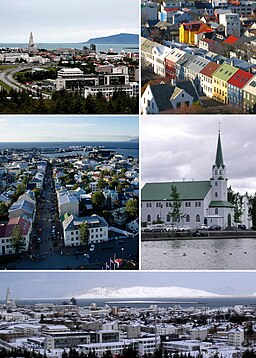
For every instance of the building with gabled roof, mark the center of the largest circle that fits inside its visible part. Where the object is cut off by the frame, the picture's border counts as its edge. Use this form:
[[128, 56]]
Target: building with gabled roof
[[235, 87], [206, 78], [220, 82], [164, 97], [202, 202]]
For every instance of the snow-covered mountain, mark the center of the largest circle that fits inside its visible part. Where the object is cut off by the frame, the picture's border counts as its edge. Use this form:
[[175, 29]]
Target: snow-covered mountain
[[144, 292]]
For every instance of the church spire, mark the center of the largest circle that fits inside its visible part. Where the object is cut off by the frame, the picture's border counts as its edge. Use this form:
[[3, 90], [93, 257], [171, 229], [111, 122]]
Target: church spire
[[219, 156]]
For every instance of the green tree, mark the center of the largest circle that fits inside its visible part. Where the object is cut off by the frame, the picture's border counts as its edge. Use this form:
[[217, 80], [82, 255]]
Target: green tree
[[175, 212], [84, 233], [252, 210], [132, 208], [17, 239], [234, 198], [98, 200], [3, 211], [101, 184]]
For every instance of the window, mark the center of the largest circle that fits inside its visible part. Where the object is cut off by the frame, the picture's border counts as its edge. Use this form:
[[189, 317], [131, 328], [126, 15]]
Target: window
[[187, 218], [216, 211], [168, 218], [148, 218], [216, 183], [198, 218], [216, 194]]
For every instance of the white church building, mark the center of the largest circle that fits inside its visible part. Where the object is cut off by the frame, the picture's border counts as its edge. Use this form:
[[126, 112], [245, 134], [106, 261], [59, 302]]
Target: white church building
[[202, 202]]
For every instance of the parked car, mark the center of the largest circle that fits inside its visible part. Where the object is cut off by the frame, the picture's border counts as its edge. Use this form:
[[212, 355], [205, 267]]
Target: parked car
[[92, 247], [203, 227], [171, 228], [215, 228], [241, 226], [158, 228], [184, 228]]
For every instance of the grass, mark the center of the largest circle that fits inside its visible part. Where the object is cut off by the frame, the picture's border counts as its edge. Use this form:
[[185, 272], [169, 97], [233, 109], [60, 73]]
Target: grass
[[7, 67], [5, 86]]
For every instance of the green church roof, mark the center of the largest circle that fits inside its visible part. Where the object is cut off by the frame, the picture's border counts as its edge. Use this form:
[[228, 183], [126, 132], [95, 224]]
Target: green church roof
[[188, 190], [219, 156], [219, 203]]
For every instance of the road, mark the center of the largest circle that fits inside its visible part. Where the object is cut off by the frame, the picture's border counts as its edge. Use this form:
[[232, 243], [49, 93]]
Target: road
[[6, 76], [47, 251]]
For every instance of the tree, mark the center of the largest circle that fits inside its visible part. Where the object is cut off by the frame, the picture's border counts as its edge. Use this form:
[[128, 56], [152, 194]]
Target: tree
[[3, 211], [132, 208], [175, 213], [252, 210], [234, 198], [84, 233], [18, 240], [101, 184], [98, 199]]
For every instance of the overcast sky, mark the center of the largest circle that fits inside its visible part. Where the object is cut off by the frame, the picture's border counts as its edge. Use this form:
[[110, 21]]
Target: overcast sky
[[177, 147], [68, 284], [66, 21], [68, 128]]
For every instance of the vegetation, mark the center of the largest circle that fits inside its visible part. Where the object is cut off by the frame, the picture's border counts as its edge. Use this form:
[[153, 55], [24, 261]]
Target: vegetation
[[31, 76], [175, 212], [64, 102], [235, 199], [84, 233], [3, 211], [17, 239], [98, 200], [132, 208]]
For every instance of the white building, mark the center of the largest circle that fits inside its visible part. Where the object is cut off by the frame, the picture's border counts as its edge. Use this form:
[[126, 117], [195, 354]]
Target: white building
[[202, 202], [231, 22], [236, 337], [98, 229]]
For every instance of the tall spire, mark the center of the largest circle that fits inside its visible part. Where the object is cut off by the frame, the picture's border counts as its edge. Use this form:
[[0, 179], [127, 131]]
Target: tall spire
[[219, 156]]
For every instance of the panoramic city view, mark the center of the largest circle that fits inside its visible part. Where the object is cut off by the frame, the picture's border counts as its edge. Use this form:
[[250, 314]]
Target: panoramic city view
[[175, 314], [198, 56], [46, 68], [198, 204], [69, 189]]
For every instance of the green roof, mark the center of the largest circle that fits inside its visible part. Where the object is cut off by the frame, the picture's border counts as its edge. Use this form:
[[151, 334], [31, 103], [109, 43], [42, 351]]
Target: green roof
[[225, 72], [220, 203], [219, 156], [188, 190]]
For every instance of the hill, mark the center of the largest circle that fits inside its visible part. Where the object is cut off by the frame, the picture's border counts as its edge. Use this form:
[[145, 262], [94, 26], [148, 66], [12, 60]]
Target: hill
[[115, 39]]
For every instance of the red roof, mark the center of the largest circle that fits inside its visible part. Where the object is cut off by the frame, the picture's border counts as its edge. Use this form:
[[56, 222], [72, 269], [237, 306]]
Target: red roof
[[23, 224], [240, 78], [230, 40], [209, 69], [171, 9]]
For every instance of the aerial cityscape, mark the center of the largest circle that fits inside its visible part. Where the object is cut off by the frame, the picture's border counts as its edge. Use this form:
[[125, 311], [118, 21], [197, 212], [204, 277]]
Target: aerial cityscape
[[213, 219], [202, 317], [198, 56], [69, 201], [93, 72]]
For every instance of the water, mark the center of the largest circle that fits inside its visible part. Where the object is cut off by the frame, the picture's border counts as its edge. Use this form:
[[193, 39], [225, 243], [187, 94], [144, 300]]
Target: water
[[125, 148], [54, 46], [160, 302], [203, 254]]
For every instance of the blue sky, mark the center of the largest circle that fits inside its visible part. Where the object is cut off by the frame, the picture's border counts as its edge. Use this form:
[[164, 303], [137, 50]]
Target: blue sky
[[65, 284], [68, 128], [69, 21]]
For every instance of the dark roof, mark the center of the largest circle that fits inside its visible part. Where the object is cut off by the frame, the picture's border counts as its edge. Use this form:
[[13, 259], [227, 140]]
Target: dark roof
[[188, 190], [220, 203], [219, 156], [163, 92]]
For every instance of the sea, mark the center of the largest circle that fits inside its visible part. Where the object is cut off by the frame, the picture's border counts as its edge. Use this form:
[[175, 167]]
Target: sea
[[54, 46], [146, 303], [124, 148], [199, 254]]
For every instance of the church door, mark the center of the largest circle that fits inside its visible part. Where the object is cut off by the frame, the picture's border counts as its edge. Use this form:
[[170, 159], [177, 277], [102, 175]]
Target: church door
[[229, 220]]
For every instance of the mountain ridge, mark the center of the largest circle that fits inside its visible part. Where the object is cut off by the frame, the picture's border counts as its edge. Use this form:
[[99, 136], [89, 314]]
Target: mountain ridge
[[122, 38]]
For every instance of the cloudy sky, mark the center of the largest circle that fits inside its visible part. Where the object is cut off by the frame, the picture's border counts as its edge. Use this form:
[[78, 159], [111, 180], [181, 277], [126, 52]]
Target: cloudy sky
[[68, 284], [177, 147], [66, 21], [68, 128]]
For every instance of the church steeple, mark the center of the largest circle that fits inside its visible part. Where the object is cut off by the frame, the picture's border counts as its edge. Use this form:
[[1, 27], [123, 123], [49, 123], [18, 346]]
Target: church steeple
[[219, 156]]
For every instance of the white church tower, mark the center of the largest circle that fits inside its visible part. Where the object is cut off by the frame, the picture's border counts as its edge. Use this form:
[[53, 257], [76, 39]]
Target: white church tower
[[219, 179]]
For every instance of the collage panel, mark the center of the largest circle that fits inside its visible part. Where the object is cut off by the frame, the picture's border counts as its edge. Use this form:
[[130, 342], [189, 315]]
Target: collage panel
[[72, 314], [81, 58], [198, 57], [198, 193], [69, 193]]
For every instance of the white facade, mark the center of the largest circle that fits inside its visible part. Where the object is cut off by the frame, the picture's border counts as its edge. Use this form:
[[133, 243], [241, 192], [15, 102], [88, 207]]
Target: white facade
[[231, 22], [236, 336]]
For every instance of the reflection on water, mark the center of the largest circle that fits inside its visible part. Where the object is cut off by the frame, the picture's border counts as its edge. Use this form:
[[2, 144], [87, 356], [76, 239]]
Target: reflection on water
[[204, 254]]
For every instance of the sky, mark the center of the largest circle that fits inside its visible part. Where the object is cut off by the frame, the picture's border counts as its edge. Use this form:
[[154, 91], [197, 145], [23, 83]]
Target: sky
[[69, 284], [68, 128], [66, 21], [176, 148]]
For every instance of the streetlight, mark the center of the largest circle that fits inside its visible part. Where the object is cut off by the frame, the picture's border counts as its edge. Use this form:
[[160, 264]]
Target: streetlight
[[122, 252]]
